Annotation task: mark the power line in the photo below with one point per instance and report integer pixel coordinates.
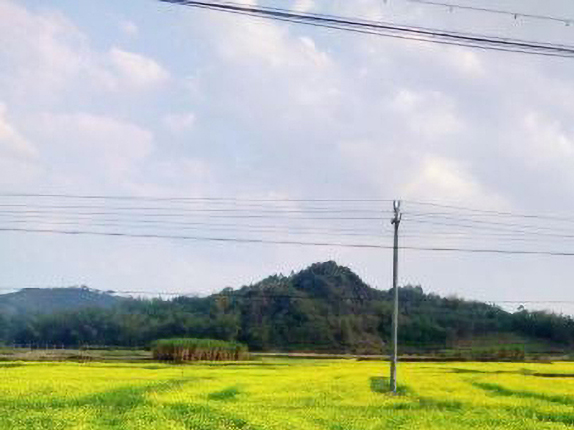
(386, 29)
(494, 228)
(514, 14)
(209, 199)
(287, 230)
(233, 213)
(377, 295)
(459, 226)
(493, 212)
(136, 223)
(560, 302)
(248, 200)
(190, 238)
(480, 222)
(203, 227)
(243, 201)
(172, 215)
(264, 210)
(292, 242)
(166, 216)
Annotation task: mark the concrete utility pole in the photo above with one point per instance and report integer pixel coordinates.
(395, 221)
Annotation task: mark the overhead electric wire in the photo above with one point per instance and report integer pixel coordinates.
(514, 14)
(460, 226)
(287, 231)
(203, 227)
(259, 295)
(296, 230)
(455, 223)
(178, 224)
(386, 29)
(248, 201)
(167, 215)
(479, 222)
(187, 199)
(485, 217)
(183, 224)
(293, 242)
(188, 210)
(175, 215)
(448, 227)
(492, 212)
(191, 238)
(134, 211)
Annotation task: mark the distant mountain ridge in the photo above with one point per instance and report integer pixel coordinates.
(49, 300)
(323, 308)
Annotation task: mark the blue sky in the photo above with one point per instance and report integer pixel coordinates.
(150, 99)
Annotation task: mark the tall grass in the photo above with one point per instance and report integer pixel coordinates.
(189, 349)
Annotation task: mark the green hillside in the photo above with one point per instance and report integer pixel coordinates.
(50, 300)
(323, 308)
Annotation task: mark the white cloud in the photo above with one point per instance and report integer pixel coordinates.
(129, 28)
(44, 56)
(549, 141)
(179, 122)
(546, 150)
(286, 79)
(304, 5)
(311, 52)
(137, 70)
(12, 143)
(18, 156)
(443, 179)
(430, 113)
(94, 147)
(39, 51)
(467, 61)
(269, 44)
(194, 175)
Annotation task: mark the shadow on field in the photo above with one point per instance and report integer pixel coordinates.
(118, 408)
(483, 372)
(562, 418)
(245, 364)
(381, 385)
(553, 375)
(227, 394)
(7, 365)
(426, 403)
(522, 371)
(117, 400)
(116, 405)
(129, 396)
(499, 390)
(205, 418)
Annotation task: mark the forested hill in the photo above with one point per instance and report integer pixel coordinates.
(49, 300)
(325, 307)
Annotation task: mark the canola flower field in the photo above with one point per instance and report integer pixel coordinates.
(281, 394)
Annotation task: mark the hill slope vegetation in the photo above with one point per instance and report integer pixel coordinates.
(323, 308)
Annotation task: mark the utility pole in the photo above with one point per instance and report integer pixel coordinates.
(395, 221)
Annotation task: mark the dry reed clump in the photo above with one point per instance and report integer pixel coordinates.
(188, 349)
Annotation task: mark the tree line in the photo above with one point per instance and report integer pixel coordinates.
(324, 308)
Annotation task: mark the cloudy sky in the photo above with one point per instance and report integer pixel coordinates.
(142, 98)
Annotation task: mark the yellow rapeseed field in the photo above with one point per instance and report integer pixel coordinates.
(285, 394)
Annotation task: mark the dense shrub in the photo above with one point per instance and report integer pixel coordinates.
(189, 349)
